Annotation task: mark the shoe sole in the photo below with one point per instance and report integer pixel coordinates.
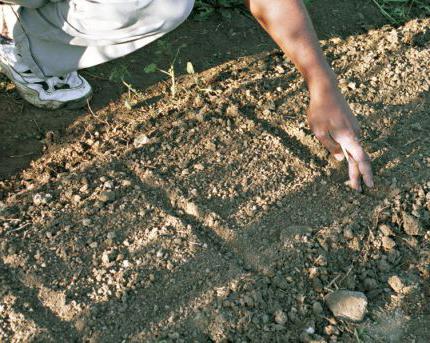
(32, 97)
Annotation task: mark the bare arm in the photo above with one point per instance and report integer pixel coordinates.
(329, 115)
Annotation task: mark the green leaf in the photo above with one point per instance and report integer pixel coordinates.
(150, 68)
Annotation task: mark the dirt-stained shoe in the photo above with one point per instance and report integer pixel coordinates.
(67, 91)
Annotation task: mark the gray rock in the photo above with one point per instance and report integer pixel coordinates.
(347, 305)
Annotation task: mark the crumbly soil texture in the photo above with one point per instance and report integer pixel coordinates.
(214, 215)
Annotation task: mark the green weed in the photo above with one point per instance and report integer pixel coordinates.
(119, 73)
(398, 11)
(203, 9)
(152, 68)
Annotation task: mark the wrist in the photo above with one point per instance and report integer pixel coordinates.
(322, 82)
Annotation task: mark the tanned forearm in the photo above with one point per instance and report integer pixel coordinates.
(289, 25)
(329, 115)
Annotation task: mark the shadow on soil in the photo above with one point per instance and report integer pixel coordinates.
(208, 44)
(256, 253)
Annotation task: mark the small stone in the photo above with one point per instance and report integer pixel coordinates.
(84, 188)
(385, 230)
(199, 167)
(347, 305)
(76, 198)
(37, 199)
(192, 209)
(388, 243)
(111, 235)
(317, 284)
(348, 234)
(411, 225)
(310, 330)
(141, 140)
(108, 184)
(232, 111)
(126, 183)
(280, 317)
(317, 308)
(86, 222)
(331, 330)
(107, 196)
(396, 283)
(93, 245)
(41, 199)
(105, 258)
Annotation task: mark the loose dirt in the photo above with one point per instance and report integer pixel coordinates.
(216, 215)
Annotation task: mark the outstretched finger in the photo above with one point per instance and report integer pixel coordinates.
(353, 147)
(354, 175)
(331, 145)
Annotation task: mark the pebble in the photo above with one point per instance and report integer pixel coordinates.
(86, 222)
(317, 284)
(126, 183)
(111, 235)
(141, 140)
(388, 243)
(76, 199)
(411, 225)
(105, 258)
(108, 184)
(347, 305)
(348, 234)
(107, 196)
(386, 230)
(331, 330)
(41, 199)
(396, 283)
(280, 317)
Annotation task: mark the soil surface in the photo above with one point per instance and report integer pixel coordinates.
(215, 215)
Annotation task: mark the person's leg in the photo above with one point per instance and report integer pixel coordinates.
(16, 62)
(81, 34)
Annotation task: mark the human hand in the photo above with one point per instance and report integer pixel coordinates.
(335, 126)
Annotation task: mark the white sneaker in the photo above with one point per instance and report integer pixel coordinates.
(68, 91)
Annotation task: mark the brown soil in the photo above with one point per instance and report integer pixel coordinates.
(216, 216)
